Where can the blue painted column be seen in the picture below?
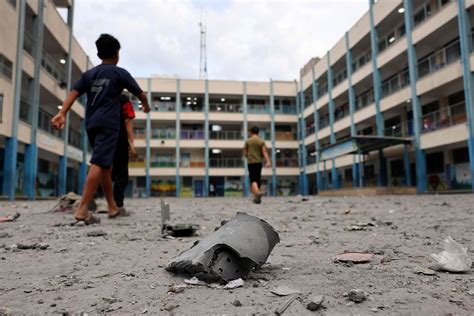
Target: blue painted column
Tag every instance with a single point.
(420, 160)
(351, 105)
(148, 137)
(178, 137)
(11, 143)
(62, 172)
(464, 25)
(31, 150)
(314, 91)
(84, 143)
(245, 133)
(380, 124)
(272, 132)
(406, 161)
(206, 137)
(332, 136)
(304, 177)
(83, 164)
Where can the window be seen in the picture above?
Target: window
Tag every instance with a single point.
(460, 155)
(6, 67)
(422, 14)
(435, 162)
(397, 168)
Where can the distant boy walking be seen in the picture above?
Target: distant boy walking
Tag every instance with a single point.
(256, 151)
(125, 147)
(104, 85)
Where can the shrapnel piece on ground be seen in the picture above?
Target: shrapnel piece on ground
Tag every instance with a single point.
(175, 230)
(9, 218)
(241, 244)
(68, 202)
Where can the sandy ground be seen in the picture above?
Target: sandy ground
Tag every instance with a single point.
(123, 272)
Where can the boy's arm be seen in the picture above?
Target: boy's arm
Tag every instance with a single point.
(59, 120)
(145, 106)
(131, 143)
(268, 162)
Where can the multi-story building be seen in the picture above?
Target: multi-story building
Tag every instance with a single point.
(39, 58)
(196, 136)
(389, 105)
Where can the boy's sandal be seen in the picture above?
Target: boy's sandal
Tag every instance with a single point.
(88, 221)
(121, 212)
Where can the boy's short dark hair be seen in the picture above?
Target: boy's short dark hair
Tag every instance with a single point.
(254, 130)
(107, 46)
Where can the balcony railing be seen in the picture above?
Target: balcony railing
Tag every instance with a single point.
(397, 130)
(28, 43)
(192, 164)
(287, 163)
(284, 136)
(225, 108)
(395, 83)
(137, 163)
(258, 109)
(44, 124)
(163, 164)
(452, 115)
(192, 108)
(163, 133)
(53, 67)
(227, 135)
(25, 108)
(285, 109)
(439, 59)
(191, 134)
(75, 138)
(163, 106)
(226, 163)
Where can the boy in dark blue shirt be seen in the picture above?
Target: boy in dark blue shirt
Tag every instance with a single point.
(104, 85)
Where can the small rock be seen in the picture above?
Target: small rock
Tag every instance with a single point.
(145, 311)
(424, 271)
(40, 302)
(110, 300)
(4, 235)
(42, 246)
(236, 303)
(470, 292)
(315, 303)
(357, 296)
(25, 246)
(96, 233)
(169, 307)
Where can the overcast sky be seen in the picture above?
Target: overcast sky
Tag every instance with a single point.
(246, 39)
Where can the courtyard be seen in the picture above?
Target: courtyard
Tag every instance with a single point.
(118, 267)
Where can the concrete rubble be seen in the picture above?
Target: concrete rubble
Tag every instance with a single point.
(232, 251)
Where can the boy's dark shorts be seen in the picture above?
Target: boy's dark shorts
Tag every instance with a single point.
(255, 173)
(104, 143)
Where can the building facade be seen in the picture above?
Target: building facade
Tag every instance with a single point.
(402, 72)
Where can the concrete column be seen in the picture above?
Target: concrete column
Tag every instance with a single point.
(11, 143)
(272, 132)
(206, 138)
(304, 160)
(246, 127)
(420, 161)
(464, 25)
(84, 143)
(332, 136)
(380, 124)
(178, 137)
(148, 137)
(31, 150)
(314, 90)
(351, 103)
(62, 173)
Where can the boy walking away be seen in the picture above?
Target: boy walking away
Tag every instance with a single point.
(256, 151)
(104, 85)
(125, 147)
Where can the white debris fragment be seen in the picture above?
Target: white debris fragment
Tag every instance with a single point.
(283, 290)
(194, 281)
(454, 258)
(234, 284)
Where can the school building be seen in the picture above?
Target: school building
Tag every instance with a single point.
(388, 106)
